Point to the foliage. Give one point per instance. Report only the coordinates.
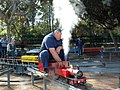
(104, 13)
(20, 15)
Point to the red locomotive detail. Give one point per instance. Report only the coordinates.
(71, 75)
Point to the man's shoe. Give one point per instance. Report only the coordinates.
(46, 72)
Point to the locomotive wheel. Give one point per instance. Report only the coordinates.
(79, 74)
(80, 85)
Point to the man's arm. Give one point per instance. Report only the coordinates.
(55, 54)
(8, 47)
(3, 41)
(58, 49)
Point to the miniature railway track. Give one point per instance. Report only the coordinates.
(109, 67)
(85, 65)
(57, 81)
(4, 71)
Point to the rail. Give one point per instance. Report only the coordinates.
(4, 71)
(67, 86)
(110, 52)
(110, 67)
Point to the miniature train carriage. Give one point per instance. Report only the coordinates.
(71, 75)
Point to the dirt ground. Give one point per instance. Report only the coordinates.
(98, 81)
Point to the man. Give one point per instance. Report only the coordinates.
(51, 49)
(0, 50)
(11, 48)
(4, 43)
(79, 44)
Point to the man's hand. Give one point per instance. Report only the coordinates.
(4, 42)
(60, 64)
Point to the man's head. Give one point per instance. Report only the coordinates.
(4, 35)
(57, 34)
(13, 42)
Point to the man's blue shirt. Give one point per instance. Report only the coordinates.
(0, 46)
(50, 41)
(4, 40)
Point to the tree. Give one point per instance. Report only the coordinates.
(106, 13)
(17, 14)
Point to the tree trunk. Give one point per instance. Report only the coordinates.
(113, 39)
(9, 21)
(8, 33)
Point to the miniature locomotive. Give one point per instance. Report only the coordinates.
(71, 75)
